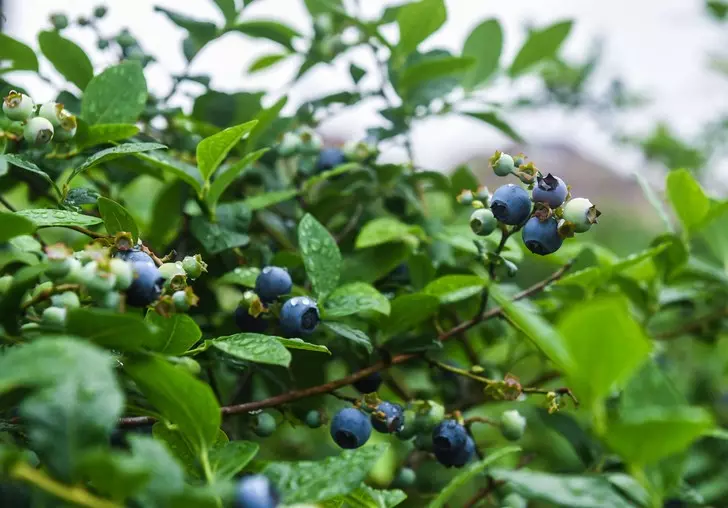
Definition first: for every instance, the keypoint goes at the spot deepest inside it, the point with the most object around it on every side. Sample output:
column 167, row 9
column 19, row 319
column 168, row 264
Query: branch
column 285, row 398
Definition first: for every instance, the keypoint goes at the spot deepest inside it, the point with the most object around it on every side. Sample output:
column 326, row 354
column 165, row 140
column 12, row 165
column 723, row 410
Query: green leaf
column 111, row 154
column 271, row 30
column 216, row 238
column 241, row 276
column 688, row 199
column 200, row 32
column 321, row 255
column 15, row 160
column 540, row 45
column 180, row 448
column 453, row 288
column 353, row 334
column 185, row 172
column 67, row 57
column 12, row 225
column 417, row 21
column 385, row 230
column 105, row 133
column 228, row 9
column 367, row 497
column 354, row 298
column 265, row 119
column 23, row 280
column 179, row 397
column 48, row 217
column 174, row 335
column 230, row 458
column 485, row 44
column 606, row 346
column 226, row 178
column 303, row 345
column 117, row 219
column 430, row 69
column 494, row 120
column 20, row 56
column 646, row 436
column 265, row 61
column 327, row 175
column 269, row 199
column 536, row 328
column 254, row 347
column 114, row 475
column 468, row 474
column 109, row 329
column 212, row 151
column 569, row 491
column 311, row 482
column 410, row 310
column 167, row 476
column 369, row 265
column 117, row 95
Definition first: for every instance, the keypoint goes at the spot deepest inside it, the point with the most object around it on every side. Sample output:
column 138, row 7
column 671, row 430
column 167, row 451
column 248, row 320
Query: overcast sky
column 660, row 47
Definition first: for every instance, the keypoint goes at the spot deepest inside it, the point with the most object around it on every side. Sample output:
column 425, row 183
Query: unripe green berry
column 504, row 166
column 125, row 39
column 51, row 111
column 67, row 300
column 581, row 213
column 289, row 144
column 58, row 268
column 313, row 419
column 54, row 317
column 427, row 419
column 18, row 106
column 38, row 131
column 514, row 500
column 179, row 298
column 100, row 11
column 102, row 44
column 67, row 129
column 123, row 271
column 483, row 195
column 405, row 478
column 111, row 300
column 59, row 21
column 194, row 266
column 82, row 20
column 483, row 222
column 169, row 270
column 75, row 273
column 5, row 282
column 512, row 425
column 409, row 429
column 98, row 282
column 466, row 197
column 265, row 425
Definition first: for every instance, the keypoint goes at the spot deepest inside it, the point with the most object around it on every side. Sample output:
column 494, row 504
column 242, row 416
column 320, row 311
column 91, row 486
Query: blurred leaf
column 303, row 345
column 105, row 133
column 321, row 255
column 23, row 280
column 417, row 21
column 271, row 30
column 27, row 165
column 408, row 311
column 215, row 238
column 540, row 45
column 606, row 346
column 485, row 44
column 369, row 265
column 67, row 57
column 317, row 481
column 243, row 276
column 269, row 199
column 179, row 397
column 254, row 347
column 468, row 474
column 655, row 201
column 20, row 56
column 12, row 225
column 229, row 459
column 265, row 61
column 223, row 109
column 687, row 197
column 109, row 329
column 174, row 335
column 117, row 95
column 228, row 9
column 167, row 477
column 430, row 69
column 115, row 475
column 212, row 151
column 185, row 172
column 494, row 120
column 453, row 288
column 464, row 178
column 384, row 230
column 180, row 448
column 48, row 217
column 117, row 219
column 165, row 222
column 354, row 298
column 367, row 497
column 111, row 154
column 265, row 119
column 586, row 491
column 353, row 334
column 200, row 32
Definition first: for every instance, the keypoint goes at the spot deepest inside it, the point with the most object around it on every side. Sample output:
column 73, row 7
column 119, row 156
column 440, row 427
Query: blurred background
column 640, row 87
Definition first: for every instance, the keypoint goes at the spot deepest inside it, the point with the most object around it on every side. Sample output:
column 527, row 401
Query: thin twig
column 87, row 232
column 47, row 293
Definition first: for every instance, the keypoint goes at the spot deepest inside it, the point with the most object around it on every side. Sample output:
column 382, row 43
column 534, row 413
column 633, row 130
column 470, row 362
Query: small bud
column 38, row 131
column 512, row 425
column 125, row 39
column 465, row 197
column 18, row 106
column 67, row 128
column 483, row 195
column 59, row 21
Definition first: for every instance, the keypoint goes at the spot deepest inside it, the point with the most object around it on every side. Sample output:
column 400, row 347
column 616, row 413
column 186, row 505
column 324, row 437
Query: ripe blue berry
column 581, row 213
column 265, row 425
column 18, row 106
column 135, row 256
column 273, row 282
column 368, row 384
column 313, row 419
column 550, row 190
column 299, row 315
column 504, row 166
column 483, row 222
column 350, row 428
column 393, row 419
column 511, row 204
column 38, row 131
column 448, row 439
column 256, row 491
column 146, row 287
column 542, row 238
column 329, row 158
column 248, row 323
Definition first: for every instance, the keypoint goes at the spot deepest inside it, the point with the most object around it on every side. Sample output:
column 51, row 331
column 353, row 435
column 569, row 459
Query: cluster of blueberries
column 547, row 215
column 49, row 121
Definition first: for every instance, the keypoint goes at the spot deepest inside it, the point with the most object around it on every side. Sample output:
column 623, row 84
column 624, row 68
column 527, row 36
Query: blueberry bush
column 206, row 306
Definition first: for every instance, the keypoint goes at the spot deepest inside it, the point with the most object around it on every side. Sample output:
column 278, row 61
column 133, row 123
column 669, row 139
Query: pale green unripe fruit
column 18, row 106
column 512, row 425
column 123, row 271
column 51, row 111
column 38, row 131
column 577, row 212
column 483, row 222
column 67, row 300
column 504, row 166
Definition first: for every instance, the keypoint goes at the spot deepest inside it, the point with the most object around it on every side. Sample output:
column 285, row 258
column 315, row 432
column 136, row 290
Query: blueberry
column 483, row 222
column 38, row 131
column 256, row 491
column 448, row 439
column 273, row 282
column 313, row 419
column 463, row 456
column 135, row 256
column 146, row 287
column 350, row 428
column 329, row 158
column 393, row 420
column 368, row 384
column 504, row 166
column 511, row 204
column 542, row 237
column 299, row 315
column 18, row 106
column 265, row 425
column 550, row 190
column 248, row 323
